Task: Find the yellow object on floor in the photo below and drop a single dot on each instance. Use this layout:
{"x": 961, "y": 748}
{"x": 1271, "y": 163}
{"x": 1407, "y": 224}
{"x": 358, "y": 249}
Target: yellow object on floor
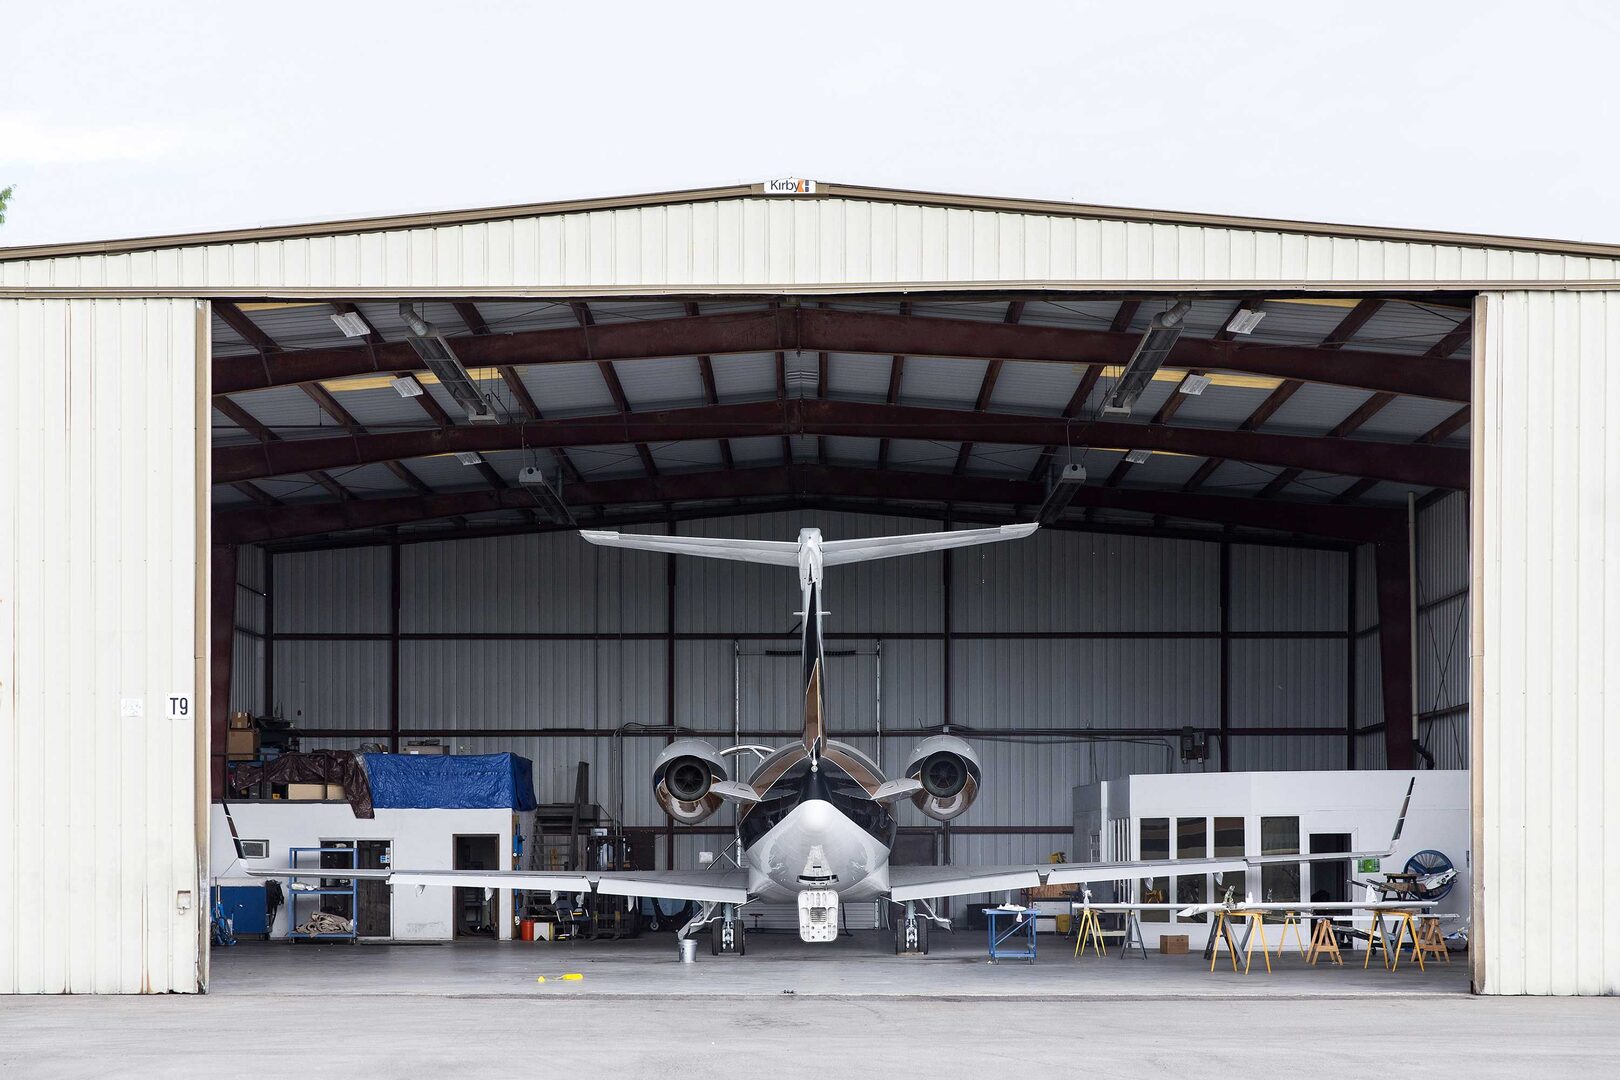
{"x": 1290, "y": 918}
{"x": 571, "y": 977}
{"x": 1323, "y": 943}
{"x": 1223, "y": 932}
{"x": 1090, "y": 933}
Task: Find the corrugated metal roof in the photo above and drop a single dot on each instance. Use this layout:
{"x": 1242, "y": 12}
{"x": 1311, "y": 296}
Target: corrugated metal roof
{"x": 661, "y": 384}
{"x": 858, "y": 377}
{"x": 567, "y": 389}
{"x": 745, "y": 376}
{"x": 1405, "y": 418}
{"x": 1315, "y": 409}
{"x": 931, "y": 381}
{"x": 1037, "y": 388}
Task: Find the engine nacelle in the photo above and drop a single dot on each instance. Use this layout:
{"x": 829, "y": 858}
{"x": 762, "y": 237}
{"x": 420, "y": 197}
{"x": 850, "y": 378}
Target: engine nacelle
{"x": 948, "y": 769}
{"x": 684, "y": 777}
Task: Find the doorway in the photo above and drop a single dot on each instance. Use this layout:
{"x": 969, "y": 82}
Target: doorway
{"x": 375, "y": 917}
{"x": 1330, "y": 881}
{"x": 477, "y": 911}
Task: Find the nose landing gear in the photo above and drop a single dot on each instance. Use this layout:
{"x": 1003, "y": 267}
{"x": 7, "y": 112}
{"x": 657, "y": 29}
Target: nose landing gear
{"x": 910, "y": 929}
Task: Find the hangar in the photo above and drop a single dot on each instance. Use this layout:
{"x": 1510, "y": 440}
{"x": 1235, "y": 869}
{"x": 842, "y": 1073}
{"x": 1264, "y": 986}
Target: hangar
{"x": 1350, "y": 517}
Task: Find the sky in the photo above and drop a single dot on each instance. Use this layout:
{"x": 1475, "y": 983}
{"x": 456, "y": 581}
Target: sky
{"x": 121, "y": 119}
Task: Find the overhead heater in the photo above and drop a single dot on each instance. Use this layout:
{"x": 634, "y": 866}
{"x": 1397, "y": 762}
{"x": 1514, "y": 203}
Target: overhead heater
{"x": 1060, "y": 491}
{"x": 435, "y": 351}
{"x": 1160, "y": 337}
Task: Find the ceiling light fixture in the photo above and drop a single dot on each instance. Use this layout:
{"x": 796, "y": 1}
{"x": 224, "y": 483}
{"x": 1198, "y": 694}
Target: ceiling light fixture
{"x": 406, "y": 386}
{"x": 1137, "y": 457}
{"x": 435, "y": 351}
{"x": 352, "y": 323}
{"x": 1157, "y": 341}
{"x": 469, "y": 457}
{"x": 1244, "y": 320}
{"x": 1194, "y": 384}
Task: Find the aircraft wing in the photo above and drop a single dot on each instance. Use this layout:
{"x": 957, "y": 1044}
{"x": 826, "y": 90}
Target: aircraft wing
{"x": 933, "y": 882}
{"x": 715, "y": 886}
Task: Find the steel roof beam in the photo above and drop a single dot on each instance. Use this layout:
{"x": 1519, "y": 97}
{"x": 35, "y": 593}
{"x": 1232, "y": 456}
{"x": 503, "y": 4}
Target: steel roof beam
{"x": 827, "y": 330}
{"x": 1427, "y": 466}
{"x": 1358, "y": 524}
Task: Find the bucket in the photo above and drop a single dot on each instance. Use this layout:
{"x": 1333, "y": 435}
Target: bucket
{"x": 525, "y": 929}
{"x": 688, "y": 951}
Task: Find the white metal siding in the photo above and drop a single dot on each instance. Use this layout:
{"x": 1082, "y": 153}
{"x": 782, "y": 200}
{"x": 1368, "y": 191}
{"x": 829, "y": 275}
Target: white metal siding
{"x": 760, "y": 243}
{"x": 98, "y": 587}
{"x": 1547, "y": 663}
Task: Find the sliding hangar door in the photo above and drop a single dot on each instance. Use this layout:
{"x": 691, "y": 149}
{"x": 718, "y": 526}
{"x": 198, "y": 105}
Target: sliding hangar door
{"x": 114, "y": 744}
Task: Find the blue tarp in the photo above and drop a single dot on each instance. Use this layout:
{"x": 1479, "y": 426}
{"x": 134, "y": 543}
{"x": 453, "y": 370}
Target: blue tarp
{"x": 451, "y": 782}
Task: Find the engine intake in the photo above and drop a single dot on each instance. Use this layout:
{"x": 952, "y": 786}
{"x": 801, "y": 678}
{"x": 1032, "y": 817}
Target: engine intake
{"x": 684, "y": 777}
{"x": 948, "y": 770}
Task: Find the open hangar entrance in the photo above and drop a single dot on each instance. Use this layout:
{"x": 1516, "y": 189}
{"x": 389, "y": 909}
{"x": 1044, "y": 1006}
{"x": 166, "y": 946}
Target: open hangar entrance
{"x": 1228, "y": 589}
{"x": 146, "y": 320}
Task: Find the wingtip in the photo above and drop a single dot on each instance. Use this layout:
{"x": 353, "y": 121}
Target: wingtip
{"x": 599, "y": 536}
{"x": 1022, "y": 529}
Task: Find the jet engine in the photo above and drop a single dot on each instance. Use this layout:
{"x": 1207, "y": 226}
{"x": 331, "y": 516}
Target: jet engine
{"x": 684, "y": 777}
{"x": 948, "y": 770}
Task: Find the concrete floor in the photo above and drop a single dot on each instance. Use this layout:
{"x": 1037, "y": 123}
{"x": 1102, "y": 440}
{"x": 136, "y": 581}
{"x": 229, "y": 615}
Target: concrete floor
{"x": 863, "y": 965}
{"x": 792, "y": 1010}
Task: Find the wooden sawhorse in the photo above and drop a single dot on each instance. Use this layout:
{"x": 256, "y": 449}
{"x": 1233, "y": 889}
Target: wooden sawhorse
{"x": 1223, "y": 932}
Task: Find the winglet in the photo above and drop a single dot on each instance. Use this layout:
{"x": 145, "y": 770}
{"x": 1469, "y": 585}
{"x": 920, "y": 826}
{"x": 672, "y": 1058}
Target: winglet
{"x": 236, "y": 840}
{"x": 1400, "y": 822}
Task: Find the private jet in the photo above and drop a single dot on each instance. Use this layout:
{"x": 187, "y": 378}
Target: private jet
{"x": 816, "y": 818}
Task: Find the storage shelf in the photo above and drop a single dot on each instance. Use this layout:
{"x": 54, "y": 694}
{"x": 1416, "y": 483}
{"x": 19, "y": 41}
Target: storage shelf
{"x": 352, "y": 890}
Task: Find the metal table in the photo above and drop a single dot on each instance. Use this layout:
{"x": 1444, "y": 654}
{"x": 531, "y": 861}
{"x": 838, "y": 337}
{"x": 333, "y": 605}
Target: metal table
{"x": 1021, "y": 929}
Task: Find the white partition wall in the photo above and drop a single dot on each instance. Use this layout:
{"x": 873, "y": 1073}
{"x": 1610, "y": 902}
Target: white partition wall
{"x": 1547, "y": 643}
{"x": 99, "y": 629}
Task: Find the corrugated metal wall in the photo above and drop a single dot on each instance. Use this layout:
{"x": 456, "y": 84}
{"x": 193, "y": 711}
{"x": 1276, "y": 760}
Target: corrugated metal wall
{"x": 751, "y": 242}
{"x": 1442, "y": 641}
{"x": 99, "y": 592}
{"x": 248, "y": 652}
{"x": 545, "y": 645}
{"x": 1547, "y": 775}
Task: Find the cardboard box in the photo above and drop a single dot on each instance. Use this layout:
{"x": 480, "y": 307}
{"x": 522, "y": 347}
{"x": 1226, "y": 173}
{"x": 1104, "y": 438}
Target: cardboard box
{"x": 241, "y": 745}
{"x": 335, "y": 792}
{"x": 1173, "y": 944}
{"x": 306, "y": 792}
{"x": 241, "y": 721}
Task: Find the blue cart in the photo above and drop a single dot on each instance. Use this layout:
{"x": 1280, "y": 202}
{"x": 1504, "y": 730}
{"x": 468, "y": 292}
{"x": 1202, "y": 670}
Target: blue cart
{"x": 1011, "y": 933}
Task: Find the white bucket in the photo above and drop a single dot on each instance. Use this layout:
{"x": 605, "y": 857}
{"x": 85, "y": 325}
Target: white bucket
{"x": 688, "y": 951}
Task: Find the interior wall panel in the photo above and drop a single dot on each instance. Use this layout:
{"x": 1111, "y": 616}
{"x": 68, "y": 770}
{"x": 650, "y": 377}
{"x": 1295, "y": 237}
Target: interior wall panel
{"x": 99, "y": 580}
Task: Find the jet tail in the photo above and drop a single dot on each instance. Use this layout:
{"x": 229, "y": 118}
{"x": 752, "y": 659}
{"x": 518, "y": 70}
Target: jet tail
{"x": 771, "y": 552}
{"x": 786, "y": 552}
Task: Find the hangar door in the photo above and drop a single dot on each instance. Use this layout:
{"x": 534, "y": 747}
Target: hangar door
{"x": 100, "y": 654}
{"x": 1546, "y": 568}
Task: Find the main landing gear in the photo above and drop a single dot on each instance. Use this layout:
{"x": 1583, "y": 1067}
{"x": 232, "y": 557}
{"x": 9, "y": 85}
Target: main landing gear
{"x": 728, "y": 934}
